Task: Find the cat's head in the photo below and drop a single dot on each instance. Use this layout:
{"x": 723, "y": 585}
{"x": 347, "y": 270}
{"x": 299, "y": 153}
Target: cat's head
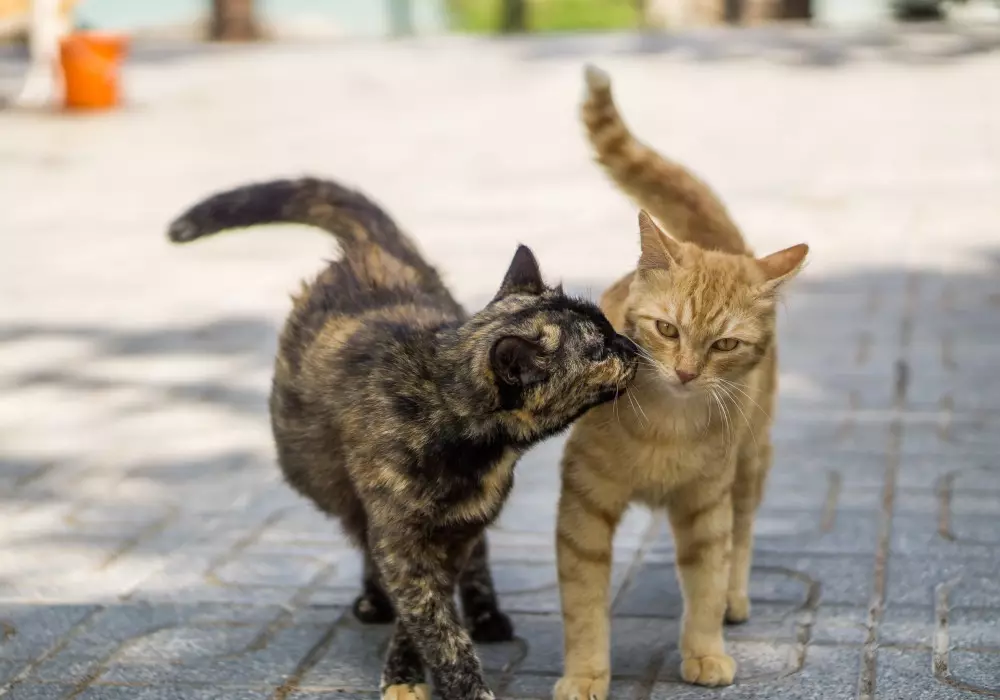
{"x": 705, "y": 317}
{"x": 543, "y": 357}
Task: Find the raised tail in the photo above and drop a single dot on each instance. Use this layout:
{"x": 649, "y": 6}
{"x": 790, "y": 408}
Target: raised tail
{"x": 683, "y": 203}
{"x": 370, "y": 239}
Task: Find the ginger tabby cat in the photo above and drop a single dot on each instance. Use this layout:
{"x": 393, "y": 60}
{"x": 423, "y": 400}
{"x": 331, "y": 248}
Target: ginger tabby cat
{"x": 702, "y": 310}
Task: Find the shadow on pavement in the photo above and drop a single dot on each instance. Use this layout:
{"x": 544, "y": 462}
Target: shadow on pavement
{"x": 889, "y": 391}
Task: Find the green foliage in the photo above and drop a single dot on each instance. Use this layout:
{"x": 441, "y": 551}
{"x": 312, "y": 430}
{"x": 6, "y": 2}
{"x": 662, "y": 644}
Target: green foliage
{"x": 483, "y": 16}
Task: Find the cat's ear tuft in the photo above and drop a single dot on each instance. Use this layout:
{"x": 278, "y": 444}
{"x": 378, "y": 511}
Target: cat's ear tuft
{"x": 515, "y": 361}
{"x": 523, "y": 275}
{"x": 659, "y": 251}
{"x": 782, "y": 266}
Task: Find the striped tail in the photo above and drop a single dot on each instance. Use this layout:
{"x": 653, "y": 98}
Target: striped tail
{"x": 684, "y": 204}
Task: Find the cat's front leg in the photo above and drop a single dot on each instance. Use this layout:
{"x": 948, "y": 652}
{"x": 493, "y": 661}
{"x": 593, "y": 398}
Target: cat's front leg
{"x": 420, "y": 578}
{"x": 403, "y": 672}
{"x": 590, "y": 506}
{"x": 702, "y": 521}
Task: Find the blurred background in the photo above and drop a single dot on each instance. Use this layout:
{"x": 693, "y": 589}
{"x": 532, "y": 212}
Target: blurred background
{"x": 148, "y": 548}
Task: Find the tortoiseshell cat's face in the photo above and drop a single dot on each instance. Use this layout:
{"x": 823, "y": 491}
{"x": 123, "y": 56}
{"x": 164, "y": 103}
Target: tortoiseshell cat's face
{"x": 551, "y": 356}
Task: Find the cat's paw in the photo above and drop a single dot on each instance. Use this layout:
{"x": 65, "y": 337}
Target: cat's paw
{"x": 709, "y": 670}
{"x": 737, "y": 609}
{"x": 420, "y": 691}
{"x": 491, "y": 626}
{"x": 373, "y": 608}
{"x": 581, "y": 688}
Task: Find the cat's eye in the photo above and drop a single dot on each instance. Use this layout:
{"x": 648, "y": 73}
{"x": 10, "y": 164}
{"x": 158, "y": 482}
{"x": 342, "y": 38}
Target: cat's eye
{"x": 725, "y": 344}
{"x": 667, "y": 330}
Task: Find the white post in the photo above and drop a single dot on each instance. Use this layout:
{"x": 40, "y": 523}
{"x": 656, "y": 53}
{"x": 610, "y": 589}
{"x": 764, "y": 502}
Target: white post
{"x": 47, "y": 28}
{"x": 851, "y": 13}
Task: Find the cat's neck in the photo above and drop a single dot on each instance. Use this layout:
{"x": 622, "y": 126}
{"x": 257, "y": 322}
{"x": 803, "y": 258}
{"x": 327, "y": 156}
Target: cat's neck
{"x": 460, "y": 378}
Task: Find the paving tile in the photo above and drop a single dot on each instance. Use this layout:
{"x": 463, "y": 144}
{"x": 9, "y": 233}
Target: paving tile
{"x": 40, "y": 692}
{"x": 828, "y": 673}
{"x": 171, "y": 692}
{"x": 910, "y": 675}
{"x": 27, "y": 631}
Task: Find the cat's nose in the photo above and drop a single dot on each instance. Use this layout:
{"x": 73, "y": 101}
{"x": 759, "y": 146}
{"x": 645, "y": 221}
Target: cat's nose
{"x": 685, "y": 377}
{"x": 625, "y": 346}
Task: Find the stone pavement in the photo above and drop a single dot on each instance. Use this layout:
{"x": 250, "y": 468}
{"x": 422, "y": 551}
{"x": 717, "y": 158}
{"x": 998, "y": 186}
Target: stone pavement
{"x": 148, "y": 549}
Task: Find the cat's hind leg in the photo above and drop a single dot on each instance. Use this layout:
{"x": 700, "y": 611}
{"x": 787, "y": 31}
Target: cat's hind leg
{"x": 483, "y": 617}
{"x": 373, "y": 606}
{"x": 751, "y": 472}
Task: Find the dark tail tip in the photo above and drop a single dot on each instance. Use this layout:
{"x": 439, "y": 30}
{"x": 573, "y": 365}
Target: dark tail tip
{"x": 183, "y": 230}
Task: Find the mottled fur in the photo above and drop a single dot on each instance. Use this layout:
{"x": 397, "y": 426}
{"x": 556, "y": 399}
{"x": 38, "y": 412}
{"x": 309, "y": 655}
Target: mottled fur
{"x": 403, "y": 417}
{"x": 697, "y": 441}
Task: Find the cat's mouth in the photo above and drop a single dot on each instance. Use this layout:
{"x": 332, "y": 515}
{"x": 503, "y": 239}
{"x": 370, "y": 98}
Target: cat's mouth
{"x": 682, "y": 391}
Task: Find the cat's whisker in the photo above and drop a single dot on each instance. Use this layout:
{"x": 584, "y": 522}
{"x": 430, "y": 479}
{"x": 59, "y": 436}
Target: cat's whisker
{"x": 727, "y": 425}
{"x": 653, "y": 363}
{"x": 636, "y": 399}
{"x": 661, "y": 370}
{"x": 645, "y": 353}
{"x": 737, "y": 386}
{"x": 631, "y": 405}
{"x": 726, "y": 429}
{"x": 632, "y": 402}
{"x": 736, "y": 402}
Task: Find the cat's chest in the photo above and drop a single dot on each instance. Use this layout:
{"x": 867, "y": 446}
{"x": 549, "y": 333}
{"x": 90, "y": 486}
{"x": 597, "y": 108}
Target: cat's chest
{"x": 480, "y": 499}
{"x": 658, "y": 469}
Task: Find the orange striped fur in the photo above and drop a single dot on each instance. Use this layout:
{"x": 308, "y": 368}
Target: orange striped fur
{"x": 701, "y": 307}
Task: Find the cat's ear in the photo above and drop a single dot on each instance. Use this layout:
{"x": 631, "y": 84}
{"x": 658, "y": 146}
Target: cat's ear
{"x": 659, "y": 251}
{"x": 523, "y": 275}
{"x": 515, "y": 361}
{"x": 782, "y": 266}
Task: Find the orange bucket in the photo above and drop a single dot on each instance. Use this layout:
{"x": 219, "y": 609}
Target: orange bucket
{"x": 91, "y": 63}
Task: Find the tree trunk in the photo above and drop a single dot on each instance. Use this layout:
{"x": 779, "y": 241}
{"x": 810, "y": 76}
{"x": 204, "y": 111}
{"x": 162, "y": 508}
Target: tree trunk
{"x": 400, "y": 18}
{"x": 768, "y": 10}
{"x": 234, "y": 20}
{"x": 798, "y": 9}
{"x": 757, "y": 11}
{"x": 513, "y": 16}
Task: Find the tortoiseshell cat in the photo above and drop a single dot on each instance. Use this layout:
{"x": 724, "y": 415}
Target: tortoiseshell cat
{"x": 402, "y": 416}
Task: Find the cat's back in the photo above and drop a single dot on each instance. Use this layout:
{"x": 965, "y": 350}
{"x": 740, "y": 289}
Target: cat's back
{"x": 347, "y": 340}
{"x": 344, "y": 299}
{"x": 347, "y": 357}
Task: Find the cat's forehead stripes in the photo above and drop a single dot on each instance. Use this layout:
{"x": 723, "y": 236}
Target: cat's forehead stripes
{"x": 550, "y": 337}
